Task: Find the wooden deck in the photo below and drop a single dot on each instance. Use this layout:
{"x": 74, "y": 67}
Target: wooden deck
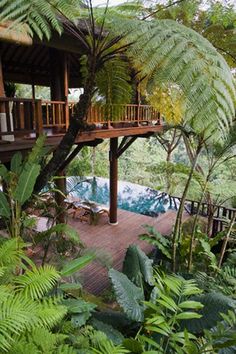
{"x": 112, "y": 242}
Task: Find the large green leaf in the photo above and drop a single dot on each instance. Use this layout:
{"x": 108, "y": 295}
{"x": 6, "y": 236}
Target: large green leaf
{"x": 128, "y": 295}
{"x": 4, "y": 173}
{"x": 16, "y": 163}
{"x": 76, "y": 264}
{"x": 137, "y": 266}
{"x": 5, "y": 210}
{"x": 214, "y": 305}
{"x": 38, "y": 151}
{"x": 112, "y": 333}
{"x": 26, "y": 182}
{"x": 80, "y": 310}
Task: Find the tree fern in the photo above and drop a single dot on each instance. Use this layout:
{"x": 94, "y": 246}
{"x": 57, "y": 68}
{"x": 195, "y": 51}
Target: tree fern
{"x": 168, "y": 53}
{"x": 113, "y": 81}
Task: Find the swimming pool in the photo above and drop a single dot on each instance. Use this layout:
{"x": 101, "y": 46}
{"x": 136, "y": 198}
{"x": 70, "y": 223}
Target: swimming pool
{"x": 132, "y": 197}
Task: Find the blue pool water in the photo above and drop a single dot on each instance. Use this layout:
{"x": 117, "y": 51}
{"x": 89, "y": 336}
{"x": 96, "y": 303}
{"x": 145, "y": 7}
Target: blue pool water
{"x": 131, "y": 197}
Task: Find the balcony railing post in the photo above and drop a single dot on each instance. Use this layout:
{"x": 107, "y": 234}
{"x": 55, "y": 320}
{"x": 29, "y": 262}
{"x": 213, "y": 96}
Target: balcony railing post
{"x": 67, "y": 116}
{"x": 38, "y": 117}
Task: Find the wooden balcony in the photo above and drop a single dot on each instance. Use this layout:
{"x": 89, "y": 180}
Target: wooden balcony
{"x": 22, "y": 120}
{"x": 29, "y": 118}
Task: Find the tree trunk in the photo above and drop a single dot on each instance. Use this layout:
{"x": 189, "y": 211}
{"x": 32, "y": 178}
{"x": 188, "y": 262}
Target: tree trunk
{"x": 178, "y": 221}
{"x": 190, "y": 259}
{"x": 77, "y": 124}
{"x": 226, "y": 240}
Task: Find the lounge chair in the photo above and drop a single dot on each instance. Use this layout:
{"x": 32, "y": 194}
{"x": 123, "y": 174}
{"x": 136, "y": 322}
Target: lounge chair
{"x": 86, "y": 210}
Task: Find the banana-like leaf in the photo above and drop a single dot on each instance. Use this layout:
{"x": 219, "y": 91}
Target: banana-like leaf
{"x": 16, "y": 163}
{"x": 128, "y": 295}
{"x": 4, "y": 173}
{"x": 5, "y": 210}
{"x": 26, "y": 182}
{"x": 38, "y": 150}
{"x": 76, "y": 264}
{"x": 137, "y": 266}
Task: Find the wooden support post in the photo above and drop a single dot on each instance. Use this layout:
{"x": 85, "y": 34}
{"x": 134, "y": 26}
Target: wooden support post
{"x": 59, "y": 197}
{"x": 2, "y": 94}
{"x": 113, "y": 180}
{"x": 66, "y": 89}
{"x": 38, "y": 117}
{"x": 33, "y": 91}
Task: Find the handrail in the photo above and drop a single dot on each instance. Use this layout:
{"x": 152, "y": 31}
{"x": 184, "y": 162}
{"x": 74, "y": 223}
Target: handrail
{"x": 16, "y": 99}
{"x": 25, "y": 114}
{"x": 218, "y": 213}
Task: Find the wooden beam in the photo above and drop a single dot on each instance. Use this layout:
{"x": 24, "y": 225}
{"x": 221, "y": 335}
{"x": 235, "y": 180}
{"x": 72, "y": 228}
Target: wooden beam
{"x": 79, "y": 147}
{"x": 124, "y": 147}
{"x": 113, "y": 180}
{"x": 2, "y": 90}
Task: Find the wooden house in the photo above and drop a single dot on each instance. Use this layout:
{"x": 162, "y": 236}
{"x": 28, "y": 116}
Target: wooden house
{"x": 56, "y": 64}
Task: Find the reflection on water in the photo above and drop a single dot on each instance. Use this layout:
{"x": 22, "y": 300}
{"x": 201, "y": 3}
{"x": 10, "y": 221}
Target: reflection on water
{"x": 132, "y": 197}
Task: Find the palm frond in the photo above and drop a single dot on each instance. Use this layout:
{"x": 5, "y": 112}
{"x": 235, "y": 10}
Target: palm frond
{"x": 11, "y": 253}
{"x": 35, "y": 283}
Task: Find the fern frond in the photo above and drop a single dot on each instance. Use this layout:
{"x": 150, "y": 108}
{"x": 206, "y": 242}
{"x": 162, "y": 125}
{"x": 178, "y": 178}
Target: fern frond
{"x": 167, "y": 53}
{"x": 40, "y": 16}
{"x": 113, "y": 81}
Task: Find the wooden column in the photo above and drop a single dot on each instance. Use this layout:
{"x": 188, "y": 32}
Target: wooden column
{"x": 113, "y": 180}
{"x": 59, "y": 82}
{"x": 2, "y": 90}
{"x": 66, "y": 87}
{"x": 56, "y": 66}
{"x": 59, "y": 197}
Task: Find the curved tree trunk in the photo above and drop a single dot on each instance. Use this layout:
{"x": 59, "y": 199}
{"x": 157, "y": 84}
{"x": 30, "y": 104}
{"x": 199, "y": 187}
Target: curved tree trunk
{"x": 190, "y": 258}
{"x": 178, "y": 221}
{"x": 78, "y": 123}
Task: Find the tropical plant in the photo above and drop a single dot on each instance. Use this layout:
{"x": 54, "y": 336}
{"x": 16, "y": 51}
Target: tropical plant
{"x": 19, "y": 184}
{"x": 32, "y": 304}
{"x": 185, "y": 61}
{"x": 37, "y": 18}
{"x": 162, "y": 330}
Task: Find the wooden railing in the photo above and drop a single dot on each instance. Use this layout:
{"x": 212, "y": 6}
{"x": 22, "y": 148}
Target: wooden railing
{"x": 19, "y": 115}
{"x": 219, "y": 213}
{"x": 25, "y": 116}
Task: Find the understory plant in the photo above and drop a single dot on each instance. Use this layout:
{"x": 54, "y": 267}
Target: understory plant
{"x": 36, "y": 303}
{"x": 171, "y": 313}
